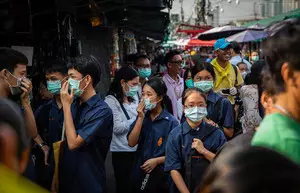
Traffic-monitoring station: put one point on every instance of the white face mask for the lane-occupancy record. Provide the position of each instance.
(195, 114)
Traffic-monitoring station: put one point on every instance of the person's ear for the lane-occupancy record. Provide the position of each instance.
(287, 75)
(265, 100)
(4, 73)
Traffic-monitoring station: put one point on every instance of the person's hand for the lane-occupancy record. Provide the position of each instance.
(26, 87)
(141, 109)
(66, 98)
(211, 123)
(45, 150)
(233, 91)
(149, 165)
(198, 145)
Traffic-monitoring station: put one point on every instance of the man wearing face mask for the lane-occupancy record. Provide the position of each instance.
(89, 134)
(15, 85)
(49, 118)
(143, 66)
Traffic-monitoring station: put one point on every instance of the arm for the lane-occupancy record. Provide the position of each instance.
(120, 126)
(29, 120)
(228, 132)
(134, 135)
(199, 147)
(179, 182)
(228, 117)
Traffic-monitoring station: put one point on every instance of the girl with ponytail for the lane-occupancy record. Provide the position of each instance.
(150, 132)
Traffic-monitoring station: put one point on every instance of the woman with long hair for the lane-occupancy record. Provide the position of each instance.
(150, 133)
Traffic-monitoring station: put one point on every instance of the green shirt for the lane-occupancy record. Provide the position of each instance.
(280, 133)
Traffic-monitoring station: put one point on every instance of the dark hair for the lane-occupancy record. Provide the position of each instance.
(185, 75)
(255, 76)
(189, 91)
(170, 55)
(267, 82)
(11, 115)
(253, 169)
(9, 58)
(238, 64)
(158, 85)
(87, 65)
(56, 65)
(124, 73)
(203, 66)
(281, 47)
(236, 47)
(140, 56)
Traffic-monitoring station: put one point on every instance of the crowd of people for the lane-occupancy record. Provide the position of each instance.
(226, 125)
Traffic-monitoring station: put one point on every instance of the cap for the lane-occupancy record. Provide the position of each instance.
(221, 44)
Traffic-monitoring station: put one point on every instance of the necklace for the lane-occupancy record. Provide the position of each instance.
(283, 110)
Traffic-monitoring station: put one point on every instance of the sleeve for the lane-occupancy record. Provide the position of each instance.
(101, 120)
(227, 114)
(239, 77)
(266, 136)
(173, 156)
(121, 126)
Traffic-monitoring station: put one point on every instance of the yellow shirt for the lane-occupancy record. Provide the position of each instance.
(226, 78)
(10, 182)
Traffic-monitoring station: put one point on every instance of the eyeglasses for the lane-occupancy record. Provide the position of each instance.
(179, 62)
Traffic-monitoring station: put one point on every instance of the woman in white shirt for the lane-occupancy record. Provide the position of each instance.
(122, 98)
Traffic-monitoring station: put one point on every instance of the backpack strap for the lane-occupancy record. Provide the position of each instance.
(236, 74)
(124, 111)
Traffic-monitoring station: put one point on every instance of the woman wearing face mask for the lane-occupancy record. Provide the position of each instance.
(254, 57)
(122, 98)
(243, 69)
(150, 133)
(220, 111)
(192, 146)
(187, 77)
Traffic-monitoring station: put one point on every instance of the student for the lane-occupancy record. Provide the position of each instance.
(14, 150)
(49, 118)
(252, 169)
(123, 99)
(88, 136)
(150, 133)
(280, 130)
(174, 82)
(14, 85)
(243, 69)
(192, 145)
(143, 66)
(187, 77)
(220, 111)
(228, 78)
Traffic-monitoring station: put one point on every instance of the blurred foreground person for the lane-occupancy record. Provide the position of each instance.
(14, 148)
(254, 169)
(280, 131)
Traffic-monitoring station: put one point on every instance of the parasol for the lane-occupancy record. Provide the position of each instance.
(220, 32)
(247, 36)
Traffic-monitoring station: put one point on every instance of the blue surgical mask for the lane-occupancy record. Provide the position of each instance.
(54, 86)
(204, 86)
(74, 84)
(189, 83)
(148, 105)
(145, 72)
(244, 74)
(195, 114)
(132, 91)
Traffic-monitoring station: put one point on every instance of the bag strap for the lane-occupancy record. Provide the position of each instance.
(236, 74)
(124, 111)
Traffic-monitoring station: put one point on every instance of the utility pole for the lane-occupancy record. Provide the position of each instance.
(182, 11)
(200, 10)
(255, 11)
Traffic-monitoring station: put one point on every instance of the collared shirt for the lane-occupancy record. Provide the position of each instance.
(153, 139)
(180, 141)
(226, 116)
(175, 90)
(237, 59)
(83, 169)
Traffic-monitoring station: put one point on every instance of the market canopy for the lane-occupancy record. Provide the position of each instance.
(197, 42)
(265, 22)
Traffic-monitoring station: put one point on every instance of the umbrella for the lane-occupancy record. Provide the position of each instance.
(247, 36)
(220, 32)
(257, 27)
(197, 42)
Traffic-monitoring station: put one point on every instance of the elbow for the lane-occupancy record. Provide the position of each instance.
(131, 144)
(229, 133)
(72, 146)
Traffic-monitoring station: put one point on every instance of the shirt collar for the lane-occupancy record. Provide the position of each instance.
(202, 131)
(92, 101)
(171, 80)
(163, 115)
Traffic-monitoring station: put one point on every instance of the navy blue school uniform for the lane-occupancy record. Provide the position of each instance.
(49, 120)
(152, 142)
(179, 147)
(224, 116)
(83, 169)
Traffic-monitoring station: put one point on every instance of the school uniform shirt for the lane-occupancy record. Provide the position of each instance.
(175, 90)
(180, 140)
(83, 169)
(153, 139)
(225, 113)
(121, 126)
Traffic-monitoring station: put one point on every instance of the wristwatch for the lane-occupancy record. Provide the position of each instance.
(42, 144)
